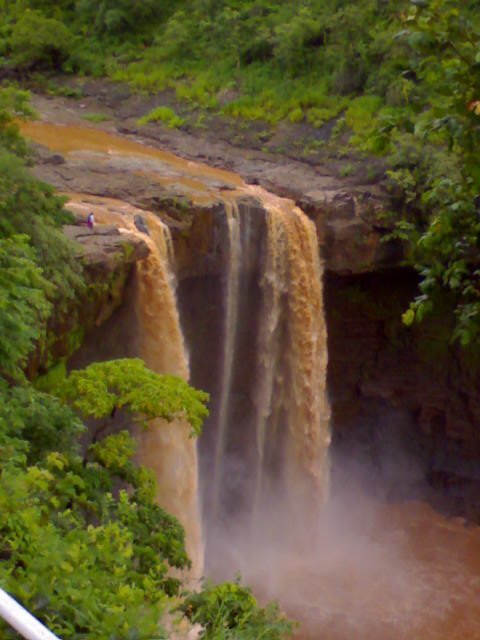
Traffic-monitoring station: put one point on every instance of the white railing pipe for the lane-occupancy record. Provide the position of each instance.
(21, 620)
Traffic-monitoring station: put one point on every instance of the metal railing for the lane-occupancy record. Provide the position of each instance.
(21, 620)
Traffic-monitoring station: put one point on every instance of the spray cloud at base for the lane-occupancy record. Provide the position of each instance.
(367, 569)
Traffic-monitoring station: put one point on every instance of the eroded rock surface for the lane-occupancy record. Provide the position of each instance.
(347, 213)
(405, 401)
(105, 246)
(108, 255)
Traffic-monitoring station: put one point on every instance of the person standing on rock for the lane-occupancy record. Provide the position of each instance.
(90, 220)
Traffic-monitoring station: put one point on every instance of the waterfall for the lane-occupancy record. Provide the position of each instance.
(290, 418)
(232, 284)
(167, 447)
(284, 435)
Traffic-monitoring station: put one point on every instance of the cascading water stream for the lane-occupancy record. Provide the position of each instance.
(167, 448)
(291, 414)
(231, 315)
(292, 384)
(274, 285)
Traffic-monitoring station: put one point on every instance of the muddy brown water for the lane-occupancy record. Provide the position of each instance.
(414, 576)
(405, 573)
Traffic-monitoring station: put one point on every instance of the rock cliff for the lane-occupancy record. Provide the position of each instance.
(107, 257)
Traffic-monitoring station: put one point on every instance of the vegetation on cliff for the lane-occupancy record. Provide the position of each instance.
(84, 545)
(39, 270)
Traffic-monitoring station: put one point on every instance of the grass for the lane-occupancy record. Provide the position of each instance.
(64, 92)
(163, 114)
(95, 117)
(347, 170)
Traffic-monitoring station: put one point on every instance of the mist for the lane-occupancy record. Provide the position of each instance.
(367, 564)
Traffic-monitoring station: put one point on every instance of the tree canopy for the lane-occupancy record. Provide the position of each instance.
(88, 559)
(103, 387)
(39, 269)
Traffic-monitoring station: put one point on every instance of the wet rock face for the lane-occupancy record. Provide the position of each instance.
(405, 404)
(104, 247)
(201, 249)
(351, 235)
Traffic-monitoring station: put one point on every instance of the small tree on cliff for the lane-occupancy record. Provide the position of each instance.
(103, 387)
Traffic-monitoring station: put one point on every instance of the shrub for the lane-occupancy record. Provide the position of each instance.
(86, 557)
(40, 42)
(95, 117)
(229, 611)
(165, 115)
(296, 115)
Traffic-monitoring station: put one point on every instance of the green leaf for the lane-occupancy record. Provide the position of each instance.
(408, 317)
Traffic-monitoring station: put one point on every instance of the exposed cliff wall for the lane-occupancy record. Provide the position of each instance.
(405, 402)
(108, 257)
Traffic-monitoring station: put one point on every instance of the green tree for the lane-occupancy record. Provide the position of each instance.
(87, 557)
(445, 182)
(229, 611)
(120, 17)
(24, 307)
(39, 266)
(103, 387)
(40, 42)
(14, 103)
(85, 546)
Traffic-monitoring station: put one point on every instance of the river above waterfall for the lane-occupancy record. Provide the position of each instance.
(366, 570)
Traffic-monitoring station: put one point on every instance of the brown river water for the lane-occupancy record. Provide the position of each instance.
(367, 570)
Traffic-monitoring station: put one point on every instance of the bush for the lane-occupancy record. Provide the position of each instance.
(86, 557)
(23, 304)
(165, 115)
(40, 42)
(229, 611)
(95, 117)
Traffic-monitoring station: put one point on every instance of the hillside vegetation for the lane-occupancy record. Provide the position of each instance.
(395, 78)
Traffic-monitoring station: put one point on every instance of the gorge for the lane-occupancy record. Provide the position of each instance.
(366, 562)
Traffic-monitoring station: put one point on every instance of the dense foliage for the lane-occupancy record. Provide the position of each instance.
(87, 558)
(83, 538)
(230, 612)
(38, 266)
(103, 387)
(440, 175)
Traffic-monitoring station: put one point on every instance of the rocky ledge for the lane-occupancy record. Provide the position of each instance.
(105, 248)
(348, 212)
(108, 255)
